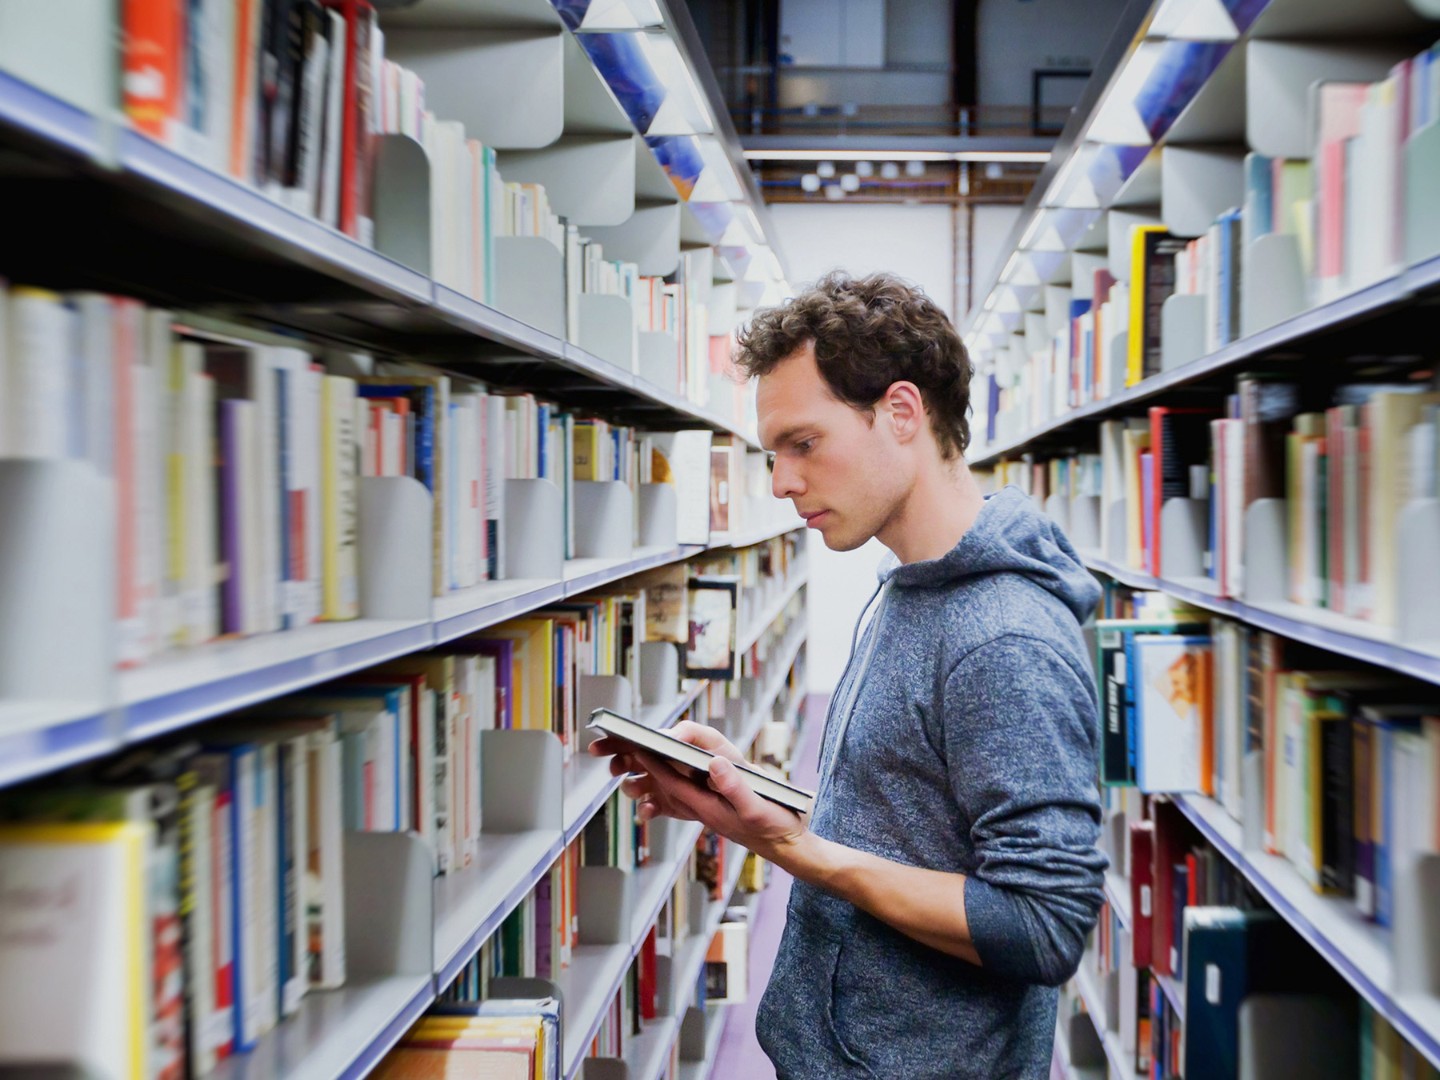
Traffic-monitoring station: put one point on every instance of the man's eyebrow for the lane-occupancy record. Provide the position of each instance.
(788, 435)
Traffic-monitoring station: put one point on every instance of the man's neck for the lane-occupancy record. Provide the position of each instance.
(939, 511)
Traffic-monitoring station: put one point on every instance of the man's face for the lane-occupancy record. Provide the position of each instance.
(842, 472)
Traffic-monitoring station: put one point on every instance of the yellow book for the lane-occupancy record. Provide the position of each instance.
(1389, 417)
(76, 948)
(1152, 280)
(339, 500)
(1135, 442)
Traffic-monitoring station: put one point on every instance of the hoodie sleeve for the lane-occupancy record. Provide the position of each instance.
(1021, 733)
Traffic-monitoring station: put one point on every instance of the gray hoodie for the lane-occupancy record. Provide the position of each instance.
(963, 737)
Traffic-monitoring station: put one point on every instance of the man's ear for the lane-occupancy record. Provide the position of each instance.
(905, 410)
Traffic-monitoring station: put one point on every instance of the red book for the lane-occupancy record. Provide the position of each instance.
(1171, 848)
(357, 123)
(154, 35)
(1179, 438)
(648, 977)
(223, 919)
(1142, 892)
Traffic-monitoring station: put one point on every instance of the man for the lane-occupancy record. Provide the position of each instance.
(948, 874)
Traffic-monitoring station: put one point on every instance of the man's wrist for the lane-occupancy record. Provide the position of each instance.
(804, 856)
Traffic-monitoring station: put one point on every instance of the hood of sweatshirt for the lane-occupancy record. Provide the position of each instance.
(1010, 535)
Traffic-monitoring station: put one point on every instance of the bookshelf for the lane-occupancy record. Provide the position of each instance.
(149, 214)
(1216, 145)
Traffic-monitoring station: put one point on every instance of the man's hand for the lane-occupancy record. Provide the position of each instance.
(726, 804)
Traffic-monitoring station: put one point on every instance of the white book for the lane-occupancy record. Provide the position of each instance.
(266, 392)
(95, 441)
(37, 396)
(325, 878)
(293, 496)
(424, 801)
(305, 196)
(217, 25)
(75, 987)
(200, 599)
(265, 885)
(311, 379)
(339, 500)
(329, 201)
(496, 470)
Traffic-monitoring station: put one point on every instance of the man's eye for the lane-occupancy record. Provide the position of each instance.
(805, 446)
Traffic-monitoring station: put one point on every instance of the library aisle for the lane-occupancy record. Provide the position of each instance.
(740, 1053)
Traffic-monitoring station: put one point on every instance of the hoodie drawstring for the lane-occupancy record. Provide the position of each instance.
(844, 708)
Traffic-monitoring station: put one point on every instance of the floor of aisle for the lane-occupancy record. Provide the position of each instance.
(740, 1056)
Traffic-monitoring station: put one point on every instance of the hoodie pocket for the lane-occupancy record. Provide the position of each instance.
(795, 1021)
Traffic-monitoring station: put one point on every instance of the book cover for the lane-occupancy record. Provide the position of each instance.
(75, 918)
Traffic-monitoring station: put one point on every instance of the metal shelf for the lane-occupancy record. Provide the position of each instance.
(1090, 995)
(1354, 638)
(31, 111)
(596, 972)
(197, 684)
(1117, 893)
(1357, 948)
(1372, 301)
(337, 1034)
(471, 905)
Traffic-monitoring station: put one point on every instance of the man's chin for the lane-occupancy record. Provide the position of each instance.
(842, 541)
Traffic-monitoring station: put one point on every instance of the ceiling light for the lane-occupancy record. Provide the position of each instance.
(890, 171)
(834, 192)
(850, 182)
(865, 169)
(914, 168)
(826, 170)
(810, 182)
(832, 154)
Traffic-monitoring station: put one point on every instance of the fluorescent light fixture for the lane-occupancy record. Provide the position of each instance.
(1019, 156)
(718, 181)
(1193, 20)
(1117, 121)
(603, 16)
(684, 109)
(1071, 187)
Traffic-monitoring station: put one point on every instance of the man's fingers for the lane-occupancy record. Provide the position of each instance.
(707, 738)
(726, 780)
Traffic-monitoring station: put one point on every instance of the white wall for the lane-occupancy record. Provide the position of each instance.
(989, 228)
(914, 242)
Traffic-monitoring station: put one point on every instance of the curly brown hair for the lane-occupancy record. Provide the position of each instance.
(870, 332)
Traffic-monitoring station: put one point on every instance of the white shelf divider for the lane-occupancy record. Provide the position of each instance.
(1095, 1006)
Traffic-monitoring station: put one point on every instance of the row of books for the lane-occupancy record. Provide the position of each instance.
(1345, 208)
(229, 847)
(523, 948)
(1347, 462)
(1345, 780)
(1207, 982)
(292, 96)
(237, 458)
(500, 1039)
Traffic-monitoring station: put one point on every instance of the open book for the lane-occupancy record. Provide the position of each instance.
(673, 749)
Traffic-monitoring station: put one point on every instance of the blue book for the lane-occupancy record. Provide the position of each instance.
(542, 430)
(1259, 211)
(1228, 302)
